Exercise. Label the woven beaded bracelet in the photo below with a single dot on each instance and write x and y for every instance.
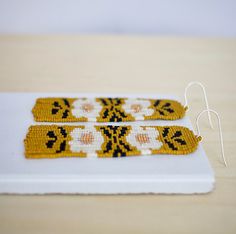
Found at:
(53, 141)
(105, 109)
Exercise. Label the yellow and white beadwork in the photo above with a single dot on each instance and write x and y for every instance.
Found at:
(105, 109)
(144, 139)
(86, 108)
(87, 140)
(138, 108)
(53, 141)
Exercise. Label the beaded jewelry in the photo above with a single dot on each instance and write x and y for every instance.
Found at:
(53, 141)
(105, 109)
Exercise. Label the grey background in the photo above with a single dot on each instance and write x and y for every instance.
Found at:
(161, 17)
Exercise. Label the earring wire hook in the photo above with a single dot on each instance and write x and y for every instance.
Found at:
(220, 130)
(205, 98)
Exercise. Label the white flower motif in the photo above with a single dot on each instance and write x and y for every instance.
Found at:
(88, 108)
(138, 108)
(87, 140)
(144, 139)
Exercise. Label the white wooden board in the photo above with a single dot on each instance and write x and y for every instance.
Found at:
(144, 174)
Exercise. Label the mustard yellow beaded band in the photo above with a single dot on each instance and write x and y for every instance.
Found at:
(53, 141)
(105, 109)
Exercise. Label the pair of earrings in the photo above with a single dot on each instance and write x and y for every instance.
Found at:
(53, 141)
(106, 140)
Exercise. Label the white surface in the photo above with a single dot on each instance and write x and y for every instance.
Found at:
(145, 174)
(169, 17)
